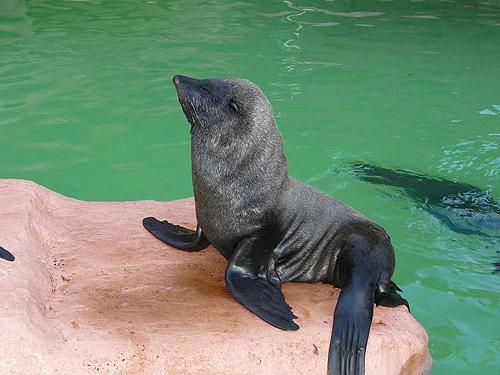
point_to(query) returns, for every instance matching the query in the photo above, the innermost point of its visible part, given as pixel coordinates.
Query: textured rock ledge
(91, 291)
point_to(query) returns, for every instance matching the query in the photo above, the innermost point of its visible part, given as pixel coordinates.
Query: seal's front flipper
(261, 297)
(4, 254)
(253, 285)
(175, 235)
(351, 326)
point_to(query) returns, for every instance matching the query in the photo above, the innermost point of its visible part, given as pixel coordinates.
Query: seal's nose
(183, 80)
(177, 80)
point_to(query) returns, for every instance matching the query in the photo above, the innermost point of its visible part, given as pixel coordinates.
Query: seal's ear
(233, 105)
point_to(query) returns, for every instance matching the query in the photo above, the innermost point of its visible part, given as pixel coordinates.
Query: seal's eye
(233, 105)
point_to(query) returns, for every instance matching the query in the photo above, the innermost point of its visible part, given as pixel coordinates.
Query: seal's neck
(248, 162)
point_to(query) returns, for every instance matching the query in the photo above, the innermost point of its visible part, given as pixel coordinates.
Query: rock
(90, 291)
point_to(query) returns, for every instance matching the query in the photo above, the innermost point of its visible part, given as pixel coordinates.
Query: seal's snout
(183, 81)
(177, 80)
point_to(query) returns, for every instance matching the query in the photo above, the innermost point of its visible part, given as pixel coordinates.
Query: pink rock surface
(92, 292)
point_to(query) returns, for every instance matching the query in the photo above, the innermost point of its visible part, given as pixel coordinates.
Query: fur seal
(272, 228)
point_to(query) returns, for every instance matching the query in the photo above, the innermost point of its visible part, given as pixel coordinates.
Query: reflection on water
(495, 110)
(478, 154)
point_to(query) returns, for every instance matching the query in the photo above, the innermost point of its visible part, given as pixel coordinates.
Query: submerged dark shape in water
(461, 207)
(4, 254)
(497, 267)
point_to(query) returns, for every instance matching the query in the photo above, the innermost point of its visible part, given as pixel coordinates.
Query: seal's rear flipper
(387, 295)
(248, 280)
(351, 326)
(175, 235)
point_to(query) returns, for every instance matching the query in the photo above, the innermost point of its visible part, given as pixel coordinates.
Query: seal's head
(223, 104)
(235, 145)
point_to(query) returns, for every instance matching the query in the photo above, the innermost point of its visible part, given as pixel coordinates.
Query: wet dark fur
(272, 228)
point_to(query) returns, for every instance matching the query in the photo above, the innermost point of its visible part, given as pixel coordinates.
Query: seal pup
(272, 228)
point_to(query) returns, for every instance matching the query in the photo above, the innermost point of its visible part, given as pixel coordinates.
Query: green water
(87, 108)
